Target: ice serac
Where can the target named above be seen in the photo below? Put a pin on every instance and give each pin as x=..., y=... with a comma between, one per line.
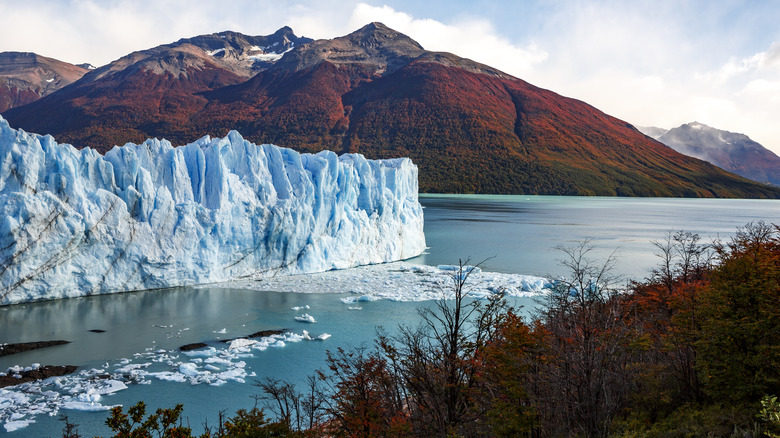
x=74, y=222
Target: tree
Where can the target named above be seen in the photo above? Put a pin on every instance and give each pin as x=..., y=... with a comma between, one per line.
x=770, y=414
x=587, y=378
x=365, y=396
x=513, y=362
x=666, y=312
x=740, y=357
x=297, y=411
x=164, y=423
x=441, y=362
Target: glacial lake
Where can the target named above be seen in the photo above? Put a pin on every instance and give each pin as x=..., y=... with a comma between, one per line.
x=505, y=234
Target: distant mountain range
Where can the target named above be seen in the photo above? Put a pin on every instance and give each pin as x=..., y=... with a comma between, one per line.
x=469, y=127
x=731, y=151
x=26, y=77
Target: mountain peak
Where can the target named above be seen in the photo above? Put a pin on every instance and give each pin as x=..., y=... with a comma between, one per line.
x=237, y=53
x=697, y=125
x=377, y=34
x=284, y=30
x=374, y=46
x=27, y=76
x=731, y=151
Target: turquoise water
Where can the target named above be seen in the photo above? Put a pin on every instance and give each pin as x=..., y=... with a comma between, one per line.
x=512, y=234
x=519, y=234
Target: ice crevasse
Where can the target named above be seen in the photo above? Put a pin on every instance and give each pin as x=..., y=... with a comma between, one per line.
x=75, y=222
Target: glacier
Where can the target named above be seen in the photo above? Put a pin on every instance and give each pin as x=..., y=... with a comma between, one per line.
x=149, y=216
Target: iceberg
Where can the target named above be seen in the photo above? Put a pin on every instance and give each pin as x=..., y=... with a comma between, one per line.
x=75, y=222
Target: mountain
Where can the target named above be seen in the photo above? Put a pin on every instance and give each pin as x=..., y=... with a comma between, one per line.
x=153, y=91
x=731, y=151
x=469, y=127
x=26, y=77
x=652, y=131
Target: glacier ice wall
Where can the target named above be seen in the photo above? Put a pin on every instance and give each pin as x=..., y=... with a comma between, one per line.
x=74, y=222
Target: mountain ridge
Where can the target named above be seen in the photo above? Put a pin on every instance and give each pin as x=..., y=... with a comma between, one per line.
x=731, y=151
x=26, y=77
x=469, y=127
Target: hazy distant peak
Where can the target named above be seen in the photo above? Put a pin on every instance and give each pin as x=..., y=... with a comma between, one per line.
x=731, y=151
x=697, y=126
x=652, y=131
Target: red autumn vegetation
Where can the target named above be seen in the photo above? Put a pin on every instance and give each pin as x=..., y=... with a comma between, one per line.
x=693, y=350
x=468, y=131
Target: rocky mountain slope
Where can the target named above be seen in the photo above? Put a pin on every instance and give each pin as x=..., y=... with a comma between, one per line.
x=469, y=127
x=26, y=77
x=731, y=151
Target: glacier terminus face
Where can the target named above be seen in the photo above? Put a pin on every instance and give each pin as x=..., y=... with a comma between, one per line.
x=75, y=222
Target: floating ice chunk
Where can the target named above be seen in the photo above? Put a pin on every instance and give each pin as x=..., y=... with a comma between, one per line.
x=241, y=343
x=86, y=406
x=205, y=352
x=291, y=337
x=218, y=360
x=11, y=426
x=169, y=376
x=305, y=318
x=220, y=332
x=109, y=386
x=363, y=298
x=323, y=336
x=189, y=369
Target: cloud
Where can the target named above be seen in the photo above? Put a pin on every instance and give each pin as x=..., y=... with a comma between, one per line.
x=471, y=38
x=99, y=31
x=662, y=64
x=648, y=62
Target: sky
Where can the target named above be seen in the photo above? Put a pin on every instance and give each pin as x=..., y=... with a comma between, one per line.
x=651, y=63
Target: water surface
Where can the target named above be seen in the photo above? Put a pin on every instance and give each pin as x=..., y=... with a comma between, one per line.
x=510, y=234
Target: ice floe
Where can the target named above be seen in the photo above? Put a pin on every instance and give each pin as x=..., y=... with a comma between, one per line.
x=306, y=318
x=399, y=281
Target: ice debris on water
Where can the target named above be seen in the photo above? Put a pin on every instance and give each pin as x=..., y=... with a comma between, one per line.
x=321, y=337
x=306, y=318
x=75, y=222
x=90, y=390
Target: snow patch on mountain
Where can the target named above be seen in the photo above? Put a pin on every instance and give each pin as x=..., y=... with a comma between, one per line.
x=74, y=222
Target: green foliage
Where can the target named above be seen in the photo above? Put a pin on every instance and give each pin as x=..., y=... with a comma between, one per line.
x=770, y=413
x=253, y=424
x=740, y=356
x=164, y=423
x=691, y=421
